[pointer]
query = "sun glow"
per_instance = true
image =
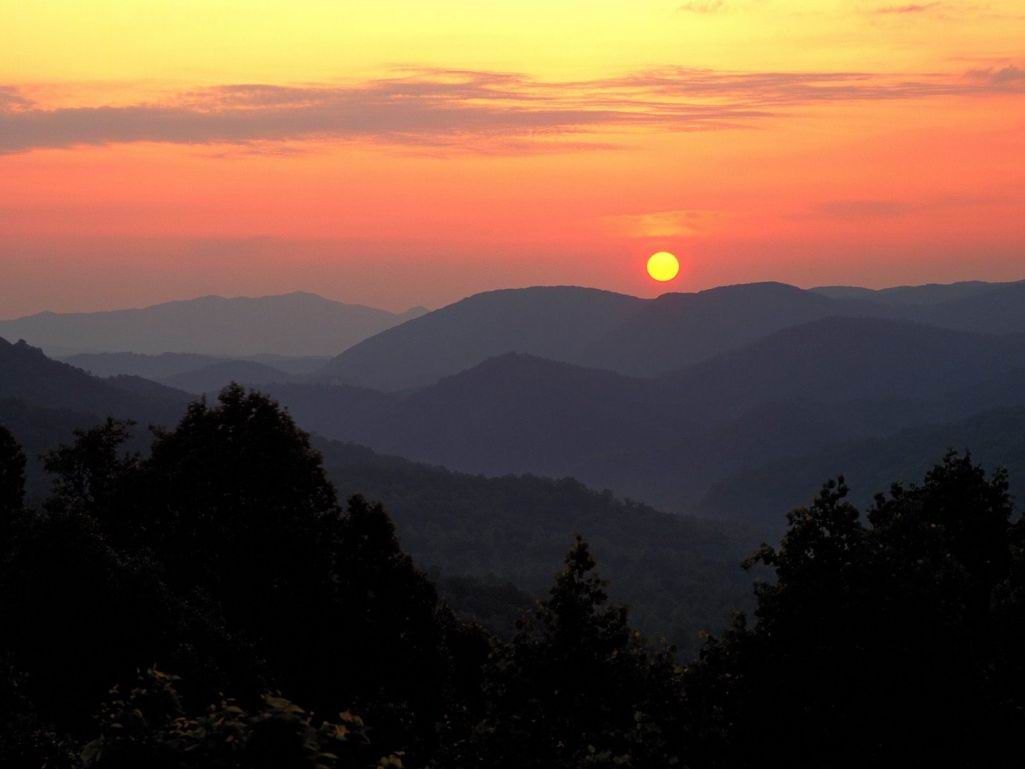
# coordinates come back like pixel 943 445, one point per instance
pixel 663 266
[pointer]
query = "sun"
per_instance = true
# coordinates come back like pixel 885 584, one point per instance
pixel 663 266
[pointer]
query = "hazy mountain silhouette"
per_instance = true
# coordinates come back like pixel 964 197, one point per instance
pixel 288 324
pixel 557 322
pixel 169 364
pixel 993 308
pixel 507 527
pixel 996 439
pixel 26 374
pixel 160 366
pixel 666 439
pixel 214 376
pixel 584 327
pixel 649 337
pixel 846 359
pixel 510 527
pixel 519 413
pixel 927 294
pixel 676 330
pixel 999 310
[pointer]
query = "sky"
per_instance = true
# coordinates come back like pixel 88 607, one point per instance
pixel 411 152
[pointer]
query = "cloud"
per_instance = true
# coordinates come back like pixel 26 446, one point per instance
pixel 663 224
pixel 470 110
pixel 1008 78
pixel 879 208
pixel 11 99
pixel 909 8
pixel 861 208
pixel 702 6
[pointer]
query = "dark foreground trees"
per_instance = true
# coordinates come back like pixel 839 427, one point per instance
pixel 574 687
pixel 896 639
pixel 283 621
pixel 224 558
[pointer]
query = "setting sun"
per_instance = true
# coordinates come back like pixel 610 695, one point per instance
pixel 663 266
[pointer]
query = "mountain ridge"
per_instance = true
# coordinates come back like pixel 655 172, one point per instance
pixel 299 323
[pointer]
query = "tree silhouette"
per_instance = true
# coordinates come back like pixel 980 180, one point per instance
pixel 12 482
pixel 576 686
pixel 148 725
pixel 892 638
pixel 891 641
pixel 225 556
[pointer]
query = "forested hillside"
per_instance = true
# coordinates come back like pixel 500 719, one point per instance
pixel 213 604
pixel 488 532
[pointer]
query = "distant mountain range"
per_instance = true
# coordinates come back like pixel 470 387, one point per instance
pixel 663 400
pixel 171 364
pixel 735 404
pixel 995 437
pixel 557 322
pixel 299 324
pixel 306 335
pixel 638 337
pixel 27 375
pixel 511 528
pixel 665 439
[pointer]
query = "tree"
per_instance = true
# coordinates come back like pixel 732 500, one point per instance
pixel 239 508
pixel 12 484
pixel 89 473
pixel 577 687
pixel 881 642
pixel 225 555
pixel 149 726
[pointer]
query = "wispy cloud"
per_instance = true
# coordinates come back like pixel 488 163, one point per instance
pixel 470 110
pixel 702 6
pixel 847 209
pixel 885 208
pixel 11 99
pixel 660 224
pixel 908 8
pixel 1007 78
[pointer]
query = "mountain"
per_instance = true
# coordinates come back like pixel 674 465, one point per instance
pixel 104 364
pixel 847 359
pixel 666 439
pixel 756 496
pixel 215 376
pixel 639 337
pixel 676 330
pixel 680 574
pixel 999 310
pixel 992 308
pixel 290 324
pixel 557 322
pixel 170 364
pixel 928 294
pixel 519 413
pixel 27 375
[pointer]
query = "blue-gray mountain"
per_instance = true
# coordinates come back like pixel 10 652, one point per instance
pixel 299 324
pixel 639 337
pixel 666 439
pixel 509 529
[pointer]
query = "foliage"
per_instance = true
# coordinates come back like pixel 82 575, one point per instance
pixel 225 556
pixel 893 639
pixel 679 575
pixel 149 726
pixel 576 686
pixel 12 478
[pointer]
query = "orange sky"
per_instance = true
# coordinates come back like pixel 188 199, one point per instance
pixel 404 152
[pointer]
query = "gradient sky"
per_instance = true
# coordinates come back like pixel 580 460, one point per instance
pixel 403 152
